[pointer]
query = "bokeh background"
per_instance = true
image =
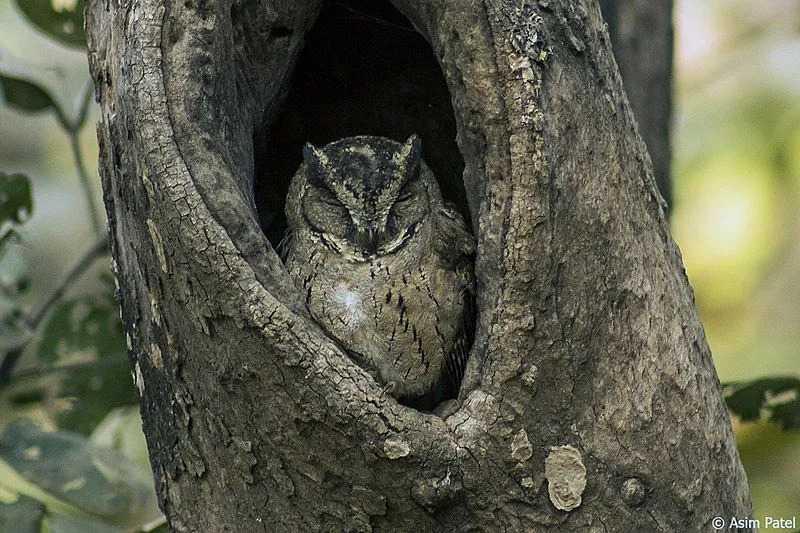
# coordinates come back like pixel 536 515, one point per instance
pixel 736 213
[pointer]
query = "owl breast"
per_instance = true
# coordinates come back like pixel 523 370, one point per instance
pixel 393 315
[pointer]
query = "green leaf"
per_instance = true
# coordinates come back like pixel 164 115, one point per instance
pixel 14 333
pixel 87 325
pixel 14 275
pixel 93 391
pixel 85 336
pixel 16 201
pixel 26 89
pixel 24 515
pixel 778 396
pixel 66 524
pixel 25 95
pixel 161 528
pixel 73 476
pixel 60 19
pixel 58 339
pixel 121 429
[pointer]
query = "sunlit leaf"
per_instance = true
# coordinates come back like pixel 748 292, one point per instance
pixel 16 202
pixel 163 528
pixel 70 473
pixel 60 19
pixel 778 396
pixel 121 429
pixel 24 515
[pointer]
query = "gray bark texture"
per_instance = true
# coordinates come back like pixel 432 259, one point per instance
pixel 642 39
pixel 590 401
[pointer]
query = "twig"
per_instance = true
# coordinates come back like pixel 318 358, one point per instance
pixel 99 248
pixel 73 128
pixel 85 182
pixel 34 319
pixel 83 107
pixel 102 363
pixel 7 366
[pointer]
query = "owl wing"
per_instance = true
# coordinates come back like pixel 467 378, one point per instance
pixel 456 361
pixel 460 248
pixel 285 245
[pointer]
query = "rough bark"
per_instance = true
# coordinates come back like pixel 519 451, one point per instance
pixel 641 36
pixel 588 354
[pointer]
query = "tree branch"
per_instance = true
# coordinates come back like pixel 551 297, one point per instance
pixel 642 37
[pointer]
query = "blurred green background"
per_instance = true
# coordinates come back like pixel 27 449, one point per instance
pixel 737 207
pixel 736 215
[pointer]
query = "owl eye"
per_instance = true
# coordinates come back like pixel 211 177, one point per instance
pixel 327 197
pixel 405 196
pixel 406 192
pixel 331 200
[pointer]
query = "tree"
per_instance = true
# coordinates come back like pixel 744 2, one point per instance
pixel 590 399
pixel 641 36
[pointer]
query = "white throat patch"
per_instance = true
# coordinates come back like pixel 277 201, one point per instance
pixel 348 304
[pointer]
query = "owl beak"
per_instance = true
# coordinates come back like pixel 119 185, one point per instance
pixel 368 239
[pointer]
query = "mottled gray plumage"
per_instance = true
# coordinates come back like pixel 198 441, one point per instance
pixel 384 263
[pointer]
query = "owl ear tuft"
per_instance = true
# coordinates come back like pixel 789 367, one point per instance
pixel 313 158
pixel 411 154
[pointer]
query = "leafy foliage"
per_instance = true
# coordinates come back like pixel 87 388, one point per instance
pixel 88 324
pixel 78 485
pixel 14 332
pixel 16 202
pixel 778 396
pixel 21 513
pixel 93 392
pixel 25 95
pixel 21 87
pixel 60 19
pixel 16 206
pixel 84 342
pixel 62 482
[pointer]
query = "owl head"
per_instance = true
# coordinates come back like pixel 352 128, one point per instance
pixel 370 194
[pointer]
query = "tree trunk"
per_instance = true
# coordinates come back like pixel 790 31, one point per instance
pixel 641 36
pixel 590 399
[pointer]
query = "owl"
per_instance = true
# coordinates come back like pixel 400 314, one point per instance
pixel 384 263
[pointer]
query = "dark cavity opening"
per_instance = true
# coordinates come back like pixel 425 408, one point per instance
pixel 364 70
